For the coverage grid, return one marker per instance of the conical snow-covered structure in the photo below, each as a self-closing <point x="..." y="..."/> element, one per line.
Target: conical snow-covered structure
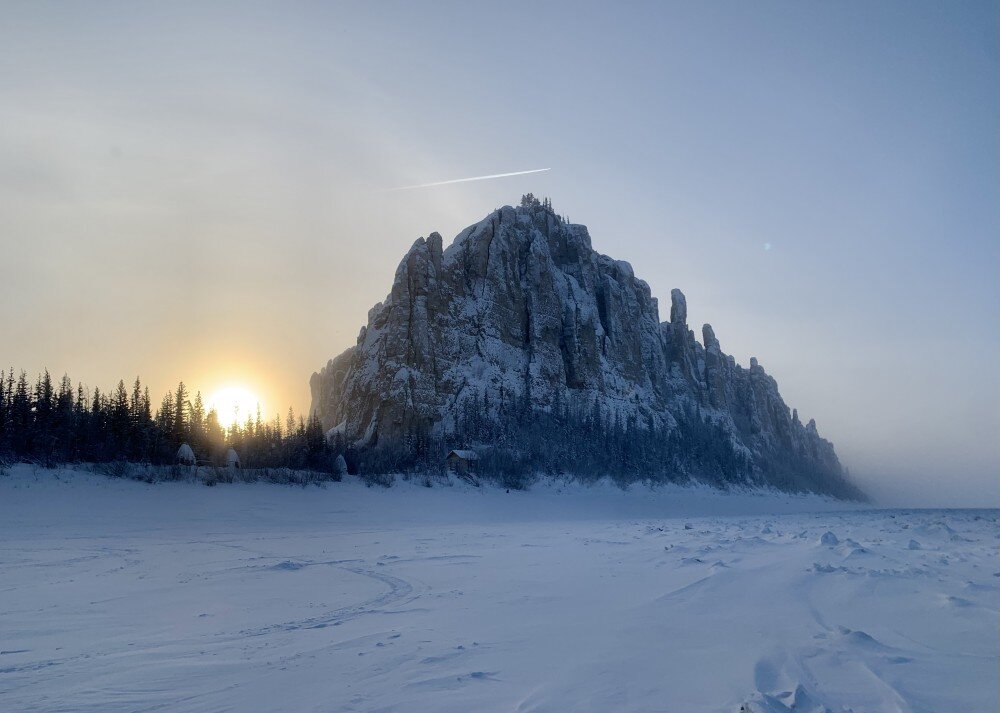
<point x="185" y="455"/>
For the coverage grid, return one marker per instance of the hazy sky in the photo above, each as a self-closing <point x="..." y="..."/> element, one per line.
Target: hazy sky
<point x="199" y="191"/>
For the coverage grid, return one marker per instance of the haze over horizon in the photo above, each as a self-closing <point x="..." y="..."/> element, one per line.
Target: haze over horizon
<point x="203" y="193"/>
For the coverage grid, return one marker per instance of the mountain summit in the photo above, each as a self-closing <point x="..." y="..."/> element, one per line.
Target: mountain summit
<point x="522" y="342"/>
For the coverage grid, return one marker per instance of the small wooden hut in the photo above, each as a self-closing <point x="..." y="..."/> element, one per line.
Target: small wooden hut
<point x="461" y="462"/>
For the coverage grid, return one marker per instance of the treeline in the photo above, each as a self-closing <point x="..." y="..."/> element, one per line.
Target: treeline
<point x="51" y="424"/>
<point x="514" y="442"/>
<point x="54" y="424"/>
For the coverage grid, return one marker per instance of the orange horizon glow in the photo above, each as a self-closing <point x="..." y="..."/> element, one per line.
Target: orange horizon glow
<point x="234" y="404"/>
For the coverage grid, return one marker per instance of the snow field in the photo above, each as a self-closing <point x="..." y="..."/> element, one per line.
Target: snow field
<point x="122" y="596"/>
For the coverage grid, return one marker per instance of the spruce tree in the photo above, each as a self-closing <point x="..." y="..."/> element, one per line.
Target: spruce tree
<point x="197" y="424"/>
<point x="179" y="428"/>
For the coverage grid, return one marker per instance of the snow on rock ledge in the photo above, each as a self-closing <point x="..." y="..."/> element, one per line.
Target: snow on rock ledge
<point x="521" y="306"/>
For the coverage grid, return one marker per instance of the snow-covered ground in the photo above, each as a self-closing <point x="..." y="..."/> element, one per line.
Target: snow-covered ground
<point x="121" y="596"/>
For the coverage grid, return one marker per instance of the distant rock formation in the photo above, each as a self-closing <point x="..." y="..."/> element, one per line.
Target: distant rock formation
<point x="520" y="309"/>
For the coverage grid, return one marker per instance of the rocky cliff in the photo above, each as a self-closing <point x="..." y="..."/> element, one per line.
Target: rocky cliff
<point x="520" y="309"/>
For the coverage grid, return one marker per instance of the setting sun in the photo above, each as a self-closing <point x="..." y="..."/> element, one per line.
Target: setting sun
<point x="234" y="404"/>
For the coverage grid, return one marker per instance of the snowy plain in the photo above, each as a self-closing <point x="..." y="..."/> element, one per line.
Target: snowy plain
<point x="117" y="595"/>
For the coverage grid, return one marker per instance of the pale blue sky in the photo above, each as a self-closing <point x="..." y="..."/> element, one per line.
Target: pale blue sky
<point x="197" y="190"/>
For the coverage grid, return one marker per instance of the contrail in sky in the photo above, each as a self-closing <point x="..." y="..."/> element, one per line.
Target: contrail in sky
<point x="474" y="178"/>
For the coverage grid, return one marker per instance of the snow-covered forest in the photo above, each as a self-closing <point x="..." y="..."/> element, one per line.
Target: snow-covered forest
<point x="515" y="441"/>
<point x="56" y="423"/>
<point x="53" y="423"/>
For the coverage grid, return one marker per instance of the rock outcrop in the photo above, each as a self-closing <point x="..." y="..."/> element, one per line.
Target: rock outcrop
<point x="521" y="308"/>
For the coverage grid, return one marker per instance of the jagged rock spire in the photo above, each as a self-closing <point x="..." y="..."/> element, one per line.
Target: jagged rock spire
<point x="678" y="307"/>
<point x="520" y="307"/>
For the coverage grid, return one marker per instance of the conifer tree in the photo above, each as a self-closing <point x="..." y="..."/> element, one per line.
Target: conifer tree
<point x="179" y="428"/>
<point x="197" y="424"/>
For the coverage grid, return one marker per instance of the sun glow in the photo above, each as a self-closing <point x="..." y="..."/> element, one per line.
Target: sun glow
<point x="234" y="404"/>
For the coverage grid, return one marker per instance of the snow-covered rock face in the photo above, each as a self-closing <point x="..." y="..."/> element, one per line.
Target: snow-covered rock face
<point x="520" y="306"/>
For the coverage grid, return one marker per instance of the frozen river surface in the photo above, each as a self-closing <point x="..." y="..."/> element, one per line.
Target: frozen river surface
<point x="121" y="596"/>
